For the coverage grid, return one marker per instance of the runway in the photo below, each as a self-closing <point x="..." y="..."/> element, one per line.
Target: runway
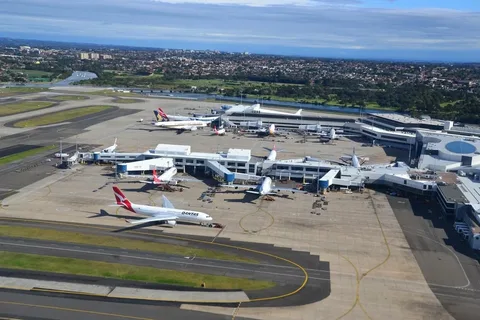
<point x="35" y="168"/>
<point x="288" y="277"/>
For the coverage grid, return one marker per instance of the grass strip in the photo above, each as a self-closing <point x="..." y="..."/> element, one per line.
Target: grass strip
<point x="18" y="107"/>
<point x="126" y="100"/>
<point x="74" y="266"/>
<point x="115" y="242"/>
<point x="68" y="98"/>
<point x="24" y="154"/>
<point x="7" y="92"/>
<point x="60" y="116"/>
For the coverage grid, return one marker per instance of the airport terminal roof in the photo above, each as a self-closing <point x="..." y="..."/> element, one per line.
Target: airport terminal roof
<point x="452" y="193"/>
<point x="471" y="191"/>
<point x="406" y="119"/>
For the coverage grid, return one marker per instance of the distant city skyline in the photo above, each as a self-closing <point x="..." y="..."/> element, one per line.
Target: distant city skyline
<point x="427" y="30"/>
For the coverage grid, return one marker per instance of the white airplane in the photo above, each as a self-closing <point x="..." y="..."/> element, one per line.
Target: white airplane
<point x="220" y="131"/>
<point x="190" y="125"/>
<point x="257" y="109"/>
<point x="266" y="187"/>
<point x="355" y="160"/>
<point x="162" y="116"/>
<point x="166" y="178"/>
<point x="111" y="148"/>
<point x="167" y="214"/>
<point x="262" y="132"/>
<point x="272" y="156"/>
<point x="61" y="155"/>
<point x="332" y="135"/>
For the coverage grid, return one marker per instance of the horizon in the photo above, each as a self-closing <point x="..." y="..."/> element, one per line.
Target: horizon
<point x="424" y="30"/>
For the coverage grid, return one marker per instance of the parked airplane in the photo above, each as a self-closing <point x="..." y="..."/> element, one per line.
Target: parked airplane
<point x="355" y="160"/>
<point x="257" y="109"/>
<point x="167" y="214"/>
<point x="162" y="116"/>
<point x="220" y="131"/>
<point x="61" y="155"/>
<point x="166" y="178"/>
<point x="264" y="132"/>
<point x="111" y="148"/>
<point x="272" y="156"/>
<point x="333" y="135"/>
<point x="266" y="187"/>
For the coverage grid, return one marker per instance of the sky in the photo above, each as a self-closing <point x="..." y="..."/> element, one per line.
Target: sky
<point x="432" y="30"/>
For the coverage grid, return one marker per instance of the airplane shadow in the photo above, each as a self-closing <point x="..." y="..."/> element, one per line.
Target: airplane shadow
<point x="248" y="198"/>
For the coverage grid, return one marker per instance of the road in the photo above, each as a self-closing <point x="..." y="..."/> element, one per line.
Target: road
<point x="40" y="306"/>
<point x="449" y="266"/>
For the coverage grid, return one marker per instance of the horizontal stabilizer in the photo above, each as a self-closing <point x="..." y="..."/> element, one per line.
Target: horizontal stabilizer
<point x="252" y="191"/>
<point x="152" y="219"/>
<point x="149" y="182"/>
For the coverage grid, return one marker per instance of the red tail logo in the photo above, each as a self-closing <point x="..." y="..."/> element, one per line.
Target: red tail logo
<point x="121" y="199"/>
<point x="155" y="177"/>
<point x="162" y="114"/>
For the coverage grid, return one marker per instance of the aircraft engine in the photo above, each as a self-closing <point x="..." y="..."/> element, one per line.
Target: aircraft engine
<point x="173" y="183"/>
<point x="171" y="222"/>
<point x="193" y="129"/>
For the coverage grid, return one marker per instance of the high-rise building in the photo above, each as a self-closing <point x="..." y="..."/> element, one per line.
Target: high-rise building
<point x="84" y="56"/>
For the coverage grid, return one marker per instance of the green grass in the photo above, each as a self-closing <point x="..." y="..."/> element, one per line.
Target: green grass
<point x="444" y="104"/>
<point x="7" y="92"/>
<point x="24" y="154"/>
<point x="18" y="107"/>
<point x="125" y="272"/>
<point x="114" y="242"/>
<point x="33" y="73"/>
<point x="68" y="98"/>
<point x="127" y="100"/>
<point x="60" y="116"/>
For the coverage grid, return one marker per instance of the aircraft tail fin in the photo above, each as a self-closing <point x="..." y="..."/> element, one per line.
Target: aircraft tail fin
<point x="121" y="199"/>
<point x="299" y="112"/>
<point x="163" y="114"/>
<point x="155" y="177"/>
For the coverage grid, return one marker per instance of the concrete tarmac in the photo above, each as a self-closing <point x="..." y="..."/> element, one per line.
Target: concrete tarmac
<point x="450" y="267"/>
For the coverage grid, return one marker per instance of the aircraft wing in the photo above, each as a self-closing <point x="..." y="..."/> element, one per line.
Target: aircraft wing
<point x="185" y="179"/>
<point x="239" y="186"/>
<point x="152" y="219"/>
<point x="149" y="182"/>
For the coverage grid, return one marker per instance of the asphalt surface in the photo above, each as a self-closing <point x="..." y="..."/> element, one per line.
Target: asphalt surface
<point x="448" y="264"/>
<point x="41" y="306"/>
<point x="19" y="174"/>
<point x="288" y="277"/>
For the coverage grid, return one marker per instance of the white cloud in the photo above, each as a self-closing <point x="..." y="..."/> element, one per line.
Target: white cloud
<point x="337" y="27"/>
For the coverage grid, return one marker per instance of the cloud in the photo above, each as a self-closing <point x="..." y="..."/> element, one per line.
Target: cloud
<point x="322" y="25"/>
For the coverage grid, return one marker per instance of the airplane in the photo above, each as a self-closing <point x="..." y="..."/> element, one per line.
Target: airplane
<point x="355" y="160"/>
<point x="262" y="132"/>
<point x="272" y="156"/>
<point x="161" y="115"/>
<point x="166" y="214"/>
<point x="257" y="109"/>
<point x="111" y="148"/>
<point x="332" y="135"/>
<point x="266" y="187"/>
<point x="166" y="178"/>
<point x="61" y="155"/>
<point x="220" y="131"/>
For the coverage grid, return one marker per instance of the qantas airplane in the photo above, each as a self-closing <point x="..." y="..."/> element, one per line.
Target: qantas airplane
<point x="166" y="214"/>
<point x="272" y="156"/>
<point x="219" y="132"/>
<point x="167" y="178"/>
<point x="266" y="187"/>
<point x="257" y="109"/>
<point x="162" y="116"/>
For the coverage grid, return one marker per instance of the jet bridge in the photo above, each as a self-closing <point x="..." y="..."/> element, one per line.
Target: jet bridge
<point x="327" y="180"/>
<point x="221" y="170"/>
